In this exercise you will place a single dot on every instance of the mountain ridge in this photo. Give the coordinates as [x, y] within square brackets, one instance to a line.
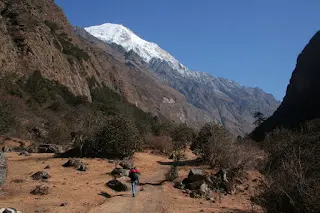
[226, 101]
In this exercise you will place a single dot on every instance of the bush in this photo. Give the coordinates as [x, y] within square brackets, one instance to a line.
[293, 170]
[161, 143]
[118, 139]
[52, 25]
[216, 147]
[13, 113]
[182, 135]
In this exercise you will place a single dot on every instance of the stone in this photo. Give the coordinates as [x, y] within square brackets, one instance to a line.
[41, 175]
[82, 167]
[105, 194]
[3, 168]
[120, 172]
[171, 157]
[18, 181]
[25, 153]
[64, 204]
[194, 194]
[195, 185]
[73, 163]
[47, 167]
[196, 175]
[6, 149]
[125, 165]
[117, 186]
[72, 153]
[50, 148]
[179, 185]
[40, 190]
[9, 210]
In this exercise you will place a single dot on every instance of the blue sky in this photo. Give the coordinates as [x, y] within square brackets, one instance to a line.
[253, 42]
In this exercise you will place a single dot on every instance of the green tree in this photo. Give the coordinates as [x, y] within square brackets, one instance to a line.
[182, 135]
[119, 138]
[212, 143]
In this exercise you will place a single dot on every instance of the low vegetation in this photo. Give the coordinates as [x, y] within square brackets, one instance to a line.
[45, 111]
[215, 145]
[64, 43]
[293, 170]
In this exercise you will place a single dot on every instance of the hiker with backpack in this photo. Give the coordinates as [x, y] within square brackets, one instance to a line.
[134, 176]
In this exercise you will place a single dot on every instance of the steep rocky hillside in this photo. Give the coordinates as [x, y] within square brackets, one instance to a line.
[36, 36]
[225, 101]
[302, 100]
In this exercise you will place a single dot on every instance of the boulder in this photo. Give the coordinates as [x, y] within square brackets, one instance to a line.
[6, 149]
[120, 172]
[25, 153]
[72, 153]
[194, 194]
[40, 190]
[73, 163]
[171, 157]
[186, 181]
[41, 175]
[82, 167]
[125, 165]
[196, 175]
[47, 167]
[179, 185]
[117, 186]
[3, 168]
[50, 148]
[195, 185]
[9, 210]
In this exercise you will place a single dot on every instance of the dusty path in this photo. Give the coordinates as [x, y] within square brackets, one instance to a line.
[151, 199]
[81, 189]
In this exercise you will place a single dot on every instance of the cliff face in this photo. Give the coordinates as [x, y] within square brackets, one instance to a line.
[36, 36]
[302, 100]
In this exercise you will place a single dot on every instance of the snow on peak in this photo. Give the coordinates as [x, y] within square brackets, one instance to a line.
[118, 34]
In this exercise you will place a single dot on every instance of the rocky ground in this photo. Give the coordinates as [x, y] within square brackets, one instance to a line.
[70, 190]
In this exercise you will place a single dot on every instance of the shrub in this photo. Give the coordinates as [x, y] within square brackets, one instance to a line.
[160, 143]
[72, 50]
[182, 135]
[119, 138]
[216, 147]
[13, 113]
[293, 170]
[52, 25]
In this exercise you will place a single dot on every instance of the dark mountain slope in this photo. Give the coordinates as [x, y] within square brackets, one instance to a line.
[302, 100]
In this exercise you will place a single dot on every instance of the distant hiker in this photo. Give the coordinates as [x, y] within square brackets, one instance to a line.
[134, 176]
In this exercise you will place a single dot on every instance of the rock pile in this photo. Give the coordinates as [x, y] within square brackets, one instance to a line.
[76, 163]
[198, 184]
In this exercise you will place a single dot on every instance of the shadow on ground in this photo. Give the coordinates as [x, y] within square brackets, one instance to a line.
[195, 162]
[237, 211]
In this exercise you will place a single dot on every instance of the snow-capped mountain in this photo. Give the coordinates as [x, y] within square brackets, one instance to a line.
[224, 100]
[118, 34]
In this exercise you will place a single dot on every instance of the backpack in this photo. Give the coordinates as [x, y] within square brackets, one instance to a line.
[134, 176]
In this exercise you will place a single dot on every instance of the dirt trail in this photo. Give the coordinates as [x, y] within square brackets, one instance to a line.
[151, 199]
[81, 189]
